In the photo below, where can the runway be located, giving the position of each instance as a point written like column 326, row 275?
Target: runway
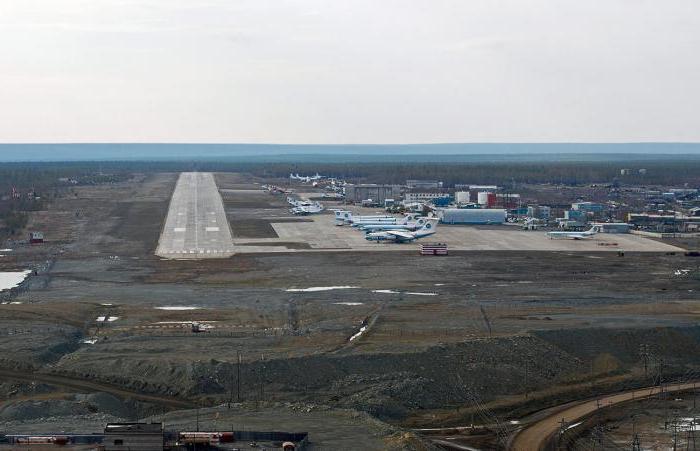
column 196, row 226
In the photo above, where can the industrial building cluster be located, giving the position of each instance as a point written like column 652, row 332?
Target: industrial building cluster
column 619, row 210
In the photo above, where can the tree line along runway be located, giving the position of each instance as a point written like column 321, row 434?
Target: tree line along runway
column 196, row 226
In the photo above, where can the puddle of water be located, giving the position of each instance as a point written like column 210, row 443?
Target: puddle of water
column 314, row 289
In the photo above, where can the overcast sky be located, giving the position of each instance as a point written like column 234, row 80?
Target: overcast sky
column 356, row 71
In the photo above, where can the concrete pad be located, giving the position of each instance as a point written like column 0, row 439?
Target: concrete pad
column 323, row 235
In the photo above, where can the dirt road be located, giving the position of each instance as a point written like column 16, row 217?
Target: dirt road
column 536, row 436
column 90, row 386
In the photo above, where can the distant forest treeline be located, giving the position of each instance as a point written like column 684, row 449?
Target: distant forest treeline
column 44, row 176
column 674, row 173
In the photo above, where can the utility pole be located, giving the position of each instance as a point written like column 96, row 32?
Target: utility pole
column 636, row 445
column 527, row 387
column 644, row 354
column 562, row 429
column 598, row 436
column 262, row 376
column 238, row 379
column 230, row 386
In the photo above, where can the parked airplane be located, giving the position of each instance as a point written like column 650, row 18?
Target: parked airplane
column 574, row 235
column 307, row 209
column 303, row 207
column 307, row 178
column 346, row 217
column 403, row 236
column 407, row 225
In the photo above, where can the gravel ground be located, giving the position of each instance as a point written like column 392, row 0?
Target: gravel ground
column 438, row 326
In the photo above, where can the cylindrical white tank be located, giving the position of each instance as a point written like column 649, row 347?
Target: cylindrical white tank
column 482, row 197
column 462, row 197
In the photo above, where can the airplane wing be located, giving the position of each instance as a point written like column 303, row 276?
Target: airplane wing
column 401, row 235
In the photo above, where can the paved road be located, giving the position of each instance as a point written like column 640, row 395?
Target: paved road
column 536, row 435
column 196, row 226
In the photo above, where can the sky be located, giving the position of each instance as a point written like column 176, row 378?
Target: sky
column 349, row 71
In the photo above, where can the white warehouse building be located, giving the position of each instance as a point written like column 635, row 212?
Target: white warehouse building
column 462, row 197
column 472, row 215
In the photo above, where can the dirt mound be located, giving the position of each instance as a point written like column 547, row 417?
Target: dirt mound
column 679, row 345
column 72, row 405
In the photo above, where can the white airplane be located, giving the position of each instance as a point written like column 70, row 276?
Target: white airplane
column 304, row 207
column 574, row 235
column 346, row 217
column 407, row 225
column 305, row 178
column 403, row 236
column 307, row 209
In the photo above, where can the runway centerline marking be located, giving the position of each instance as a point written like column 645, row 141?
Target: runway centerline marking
column 196, row 210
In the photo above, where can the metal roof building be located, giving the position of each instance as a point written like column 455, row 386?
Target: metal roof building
column 472, row 216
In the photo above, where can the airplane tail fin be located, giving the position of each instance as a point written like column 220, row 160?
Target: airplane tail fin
column 421, row 221
column 343, row 216
column 428, row 228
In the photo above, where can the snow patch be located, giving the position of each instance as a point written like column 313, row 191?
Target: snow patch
column 314, row 289
column 178, row 307
column 357, row 335
column 102, row 319
column 348, row 303
column 421, row 294
column 12, row 279
column 385, row 291
column 573, row 425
